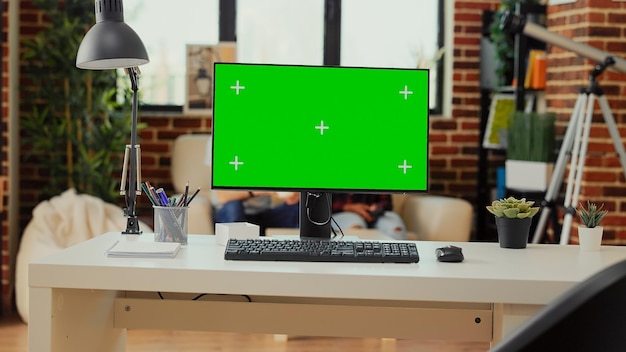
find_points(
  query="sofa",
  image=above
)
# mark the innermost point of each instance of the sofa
(427, 217)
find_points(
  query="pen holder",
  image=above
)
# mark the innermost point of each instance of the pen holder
(170, 224)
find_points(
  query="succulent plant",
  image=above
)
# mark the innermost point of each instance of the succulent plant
(513, 208)
(592, 215)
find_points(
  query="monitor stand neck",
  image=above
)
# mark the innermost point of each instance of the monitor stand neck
(315, 214)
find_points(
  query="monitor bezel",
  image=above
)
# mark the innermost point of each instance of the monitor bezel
(322, 189)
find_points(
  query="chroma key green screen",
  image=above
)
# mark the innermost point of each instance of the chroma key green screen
(320, 128)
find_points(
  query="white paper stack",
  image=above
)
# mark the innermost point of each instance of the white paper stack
(143, 249)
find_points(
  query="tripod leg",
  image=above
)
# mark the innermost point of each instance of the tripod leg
(613, 131)
(559, 169)
(576, 173)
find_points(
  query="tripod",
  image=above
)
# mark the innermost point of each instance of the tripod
(576, 140)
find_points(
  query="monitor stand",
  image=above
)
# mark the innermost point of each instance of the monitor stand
(315, 213)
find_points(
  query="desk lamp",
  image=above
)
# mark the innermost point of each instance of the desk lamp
(112, 44)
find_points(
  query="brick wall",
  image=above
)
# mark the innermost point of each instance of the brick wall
(600, 24)
(156, 143)
(454, 142)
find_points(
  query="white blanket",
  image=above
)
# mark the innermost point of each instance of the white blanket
(58, 223)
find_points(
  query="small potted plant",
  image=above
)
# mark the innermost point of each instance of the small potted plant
(590, 235)
(513, 220)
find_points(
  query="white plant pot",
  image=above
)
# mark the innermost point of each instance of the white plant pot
(590, 239)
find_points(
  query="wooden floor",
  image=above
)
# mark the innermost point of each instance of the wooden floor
(14, 335)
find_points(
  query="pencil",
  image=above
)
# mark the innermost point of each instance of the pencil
(183, 199)
(153, 193)
(192, 197)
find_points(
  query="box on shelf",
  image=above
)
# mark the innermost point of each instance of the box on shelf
(528, 175)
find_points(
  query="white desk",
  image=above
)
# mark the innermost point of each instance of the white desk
(80, 300)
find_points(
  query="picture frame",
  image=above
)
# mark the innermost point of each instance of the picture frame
(200, 59)
(502, 105)
(496, 130)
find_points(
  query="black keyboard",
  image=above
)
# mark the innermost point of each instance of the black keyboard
(304, 250)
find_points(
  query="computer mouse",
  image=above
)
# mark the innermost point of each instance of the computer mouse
(451, 254)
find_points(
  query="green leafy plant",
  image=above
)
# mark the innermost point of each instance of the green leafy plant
(513, 208)
(592, 215)
(531, 136)
(71, 125)
(504, 42)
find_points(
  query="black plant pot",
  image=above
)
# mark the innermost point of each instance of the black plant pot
(513, 233)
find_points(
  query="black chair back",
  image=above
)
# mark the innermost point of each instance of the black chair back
(589, 317)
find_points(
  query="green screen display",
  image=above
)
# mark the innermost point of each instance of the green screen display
(320, 128)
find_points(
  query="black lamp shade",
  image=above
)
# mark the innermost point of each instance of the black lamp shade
(110, 43)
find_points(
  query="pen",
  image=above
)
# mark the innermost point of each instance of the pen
(148, 193)
(162, 197)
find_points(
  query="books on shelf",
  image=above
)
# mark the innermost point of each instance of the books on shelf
(536, 70)
(143, 249)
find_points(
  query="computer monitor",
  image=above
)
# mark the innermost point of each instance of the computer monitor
(319, 130)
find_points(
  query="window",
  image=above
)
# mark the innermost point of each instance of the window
(280, 31)
(166, 27)
(390, 33)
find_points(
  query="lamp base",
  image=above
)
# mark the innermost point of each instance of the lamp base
(132, 226)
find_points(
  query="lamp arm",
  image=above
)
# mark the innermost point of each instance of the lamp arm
(134, 178)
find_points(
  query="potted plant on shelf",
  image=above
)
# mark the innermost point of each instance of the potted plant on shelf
(530, 151)
(590, 235)
(513, 220)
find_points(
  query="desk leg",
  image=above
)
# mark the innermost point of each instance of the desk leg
(73, 320)
(516, 315)
(508, 317)
(388, 345)
(498, 323)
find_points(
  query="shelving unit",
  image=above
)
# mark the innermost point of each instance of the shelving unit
(524, 44)
(485, 227)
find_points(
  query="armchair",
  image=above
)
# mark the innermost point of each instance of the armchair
(431, 217)
(189, 164)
